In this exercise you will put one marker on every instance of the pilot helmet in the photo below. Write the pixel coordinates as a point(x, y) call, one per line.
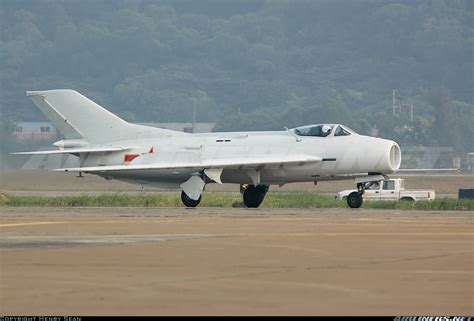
point(326, 129)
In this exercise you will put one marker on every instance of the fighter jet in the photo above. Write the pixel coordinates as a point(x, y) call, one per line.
point(112, 148)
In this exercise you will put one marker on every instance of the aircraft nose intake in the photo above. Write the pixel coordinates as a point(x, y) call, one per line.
point(393, 156)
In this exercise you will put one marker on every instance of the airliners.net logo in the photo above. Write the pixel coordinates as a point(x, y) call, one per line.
point(433, 319)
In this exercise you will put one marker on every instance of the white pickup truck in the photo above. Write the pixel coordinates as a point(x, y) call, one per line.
point(390, 189)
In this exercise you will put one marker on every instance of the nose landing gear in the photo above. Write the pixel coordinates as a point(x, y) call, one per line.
point(354, 200)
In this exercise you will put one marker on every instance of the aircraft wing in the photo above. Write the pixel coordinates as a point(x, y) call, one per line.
point(239, 162)
point(75, 150)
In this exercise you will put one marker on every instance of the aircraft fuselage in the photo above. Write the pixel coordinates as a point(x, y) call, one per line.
point(343, 157)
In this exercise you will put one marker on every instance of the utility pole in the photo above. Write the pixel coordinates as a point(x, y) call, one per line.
point(398, 105)
point(194, 115)
point(394, 102)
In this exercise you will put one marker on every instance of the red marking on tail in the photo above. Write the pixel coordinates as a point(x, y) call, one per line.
point(151, 150)
point(130, 157)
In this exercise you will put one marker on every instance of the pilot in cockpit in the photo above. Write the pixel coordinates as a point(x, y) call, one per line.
point(325, 130)
point(314, 130)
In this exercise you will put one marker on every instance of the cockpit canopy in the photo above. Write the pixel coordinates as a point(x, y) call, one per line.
point(323, 130)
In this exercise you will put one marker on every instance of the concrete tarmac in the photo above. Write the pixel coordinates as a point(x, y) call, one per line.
point(210, 261)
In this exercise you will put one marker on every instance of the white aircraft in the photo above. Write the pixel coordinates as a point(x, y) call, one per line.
point(112, 148)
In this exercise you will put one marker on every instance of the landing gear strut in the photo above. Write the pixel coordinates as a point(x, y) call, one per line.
point(188, 202)
point(354, 200)
point(254, 195)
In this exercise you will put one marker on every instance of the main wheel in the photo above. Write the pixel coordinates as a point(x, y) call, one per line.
point(354, 200)
point(188, 202)
point(254, 195)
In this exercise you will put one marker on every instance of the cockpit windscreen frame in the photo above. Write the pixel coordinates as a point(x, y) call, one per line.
point(323, 130)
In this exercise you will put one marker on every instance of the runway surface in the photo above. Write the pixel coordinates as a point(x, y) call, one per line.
point(176, 261)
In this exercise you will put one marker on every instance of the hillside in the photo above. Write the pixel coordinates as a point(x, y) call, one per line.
point(251, 65)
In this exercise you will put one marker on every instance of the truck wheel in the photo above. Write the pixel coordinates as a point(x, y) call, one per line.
point(407, 199)
point(354, 200)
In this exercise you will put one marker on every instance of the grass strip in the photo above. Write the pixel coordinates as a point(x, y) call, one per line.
point(306, 200)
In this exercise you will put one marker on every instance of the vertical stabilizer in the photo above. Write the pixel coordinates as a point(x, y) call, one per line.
point(78, 117)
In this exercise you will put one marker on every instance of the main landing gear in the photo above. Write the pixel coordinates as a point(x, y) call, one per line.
point(188, 202)
point(354, 200)
point(254, 195)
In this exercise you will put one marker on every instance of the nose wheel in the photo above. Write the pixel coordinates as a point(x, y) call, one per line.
point(354, 200)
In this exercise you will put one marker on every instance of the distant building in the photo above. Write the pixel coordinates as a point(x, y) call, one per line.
point(470, 162)
point(422, 157)
point(38, 131)
point(35, 131)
